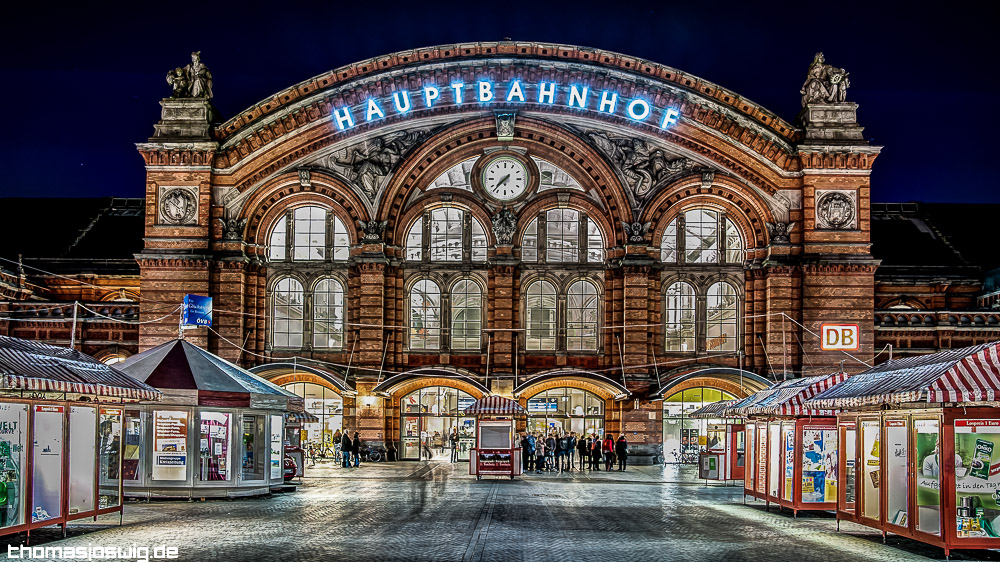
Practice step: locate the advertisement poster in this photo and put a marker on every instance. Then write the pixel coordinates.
(762, 460)
(928, 463)
(82, 454)
(133, 442)
(819, 465)
(977, 478)
(214, 445)
(197, 311)
(170, 432)
(109, 446)
(13, 428)
(47, 460)
(277, 452)
(789, 440)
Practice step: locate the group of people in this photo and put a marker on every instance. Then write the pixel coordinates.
(350, 449)
(554, 452)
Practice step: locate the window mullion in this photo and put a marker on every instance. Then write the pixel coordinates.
(543, 238)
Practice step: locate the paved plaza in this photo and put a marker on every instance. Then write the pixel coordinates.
(436, 511)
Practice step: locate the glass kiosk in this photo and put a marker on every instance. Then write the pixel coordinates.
(497, 452)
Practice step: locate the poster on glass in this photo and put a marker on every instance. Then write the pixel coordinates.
(46, 489)
(170, 432)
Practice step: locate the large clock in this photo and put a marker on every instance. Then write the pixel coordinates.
(505, 178)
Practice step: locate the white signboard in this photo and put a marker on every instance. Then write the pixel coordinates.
(840, 337)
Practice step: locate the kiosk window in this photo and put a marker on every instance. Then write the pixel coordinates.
(872, 476)
(896, 474)
(928, 476)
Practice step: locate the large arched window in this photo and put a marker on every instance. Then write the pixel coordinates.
(309, 233)
(568, 236)
(540, 307)
(668, 247)
(288, 314)
(446, 235)
(702, 236)
(278, 241)
(425, 315)
(562, 236)
(566, 409)
(734, 243)
(680, 317)
(328, 314)
(581, 317)
(309, 242)
(466, 315)
(529, 242)
(720, 330)
(452, 235)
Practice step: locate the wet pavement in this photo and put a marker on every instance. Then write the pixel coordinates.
(437, 511)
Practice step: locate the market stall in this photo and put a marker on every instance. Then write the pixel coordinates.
(793, 449)
(61, 416)
(920, 446)
(219, 430)
(497, 451)
(724, 456)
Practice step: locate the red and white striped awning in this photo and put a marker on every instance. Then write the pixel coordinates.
(969, 374)
(494, 405)
(787, 398)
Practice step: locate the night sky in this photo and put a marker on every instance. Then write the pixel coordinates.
(81, 84)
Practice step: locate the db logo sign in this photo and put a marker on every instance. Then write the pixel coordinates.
(837, 337)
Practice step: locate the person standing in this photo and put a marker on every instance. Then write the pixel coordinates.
(337, 438)
(345, 449)
(550, 451)
(595, 453)
(539, 455)
(525, 451)
(532, 439)
(583, 449)
(356, 449)
(562, 449)
(571, 450)
(621, 451)
(609, 451)
(454, 444)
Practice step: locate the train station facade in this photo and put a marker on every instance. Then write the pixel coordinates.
(611, 241)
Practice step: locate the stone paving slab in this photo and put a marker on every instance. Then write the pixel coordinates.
(426, 511)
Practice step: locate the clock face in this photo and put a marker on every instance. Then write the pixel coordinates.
(505, 178)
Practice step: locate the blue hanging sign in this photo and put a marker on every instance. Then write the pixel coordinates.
(197, 311)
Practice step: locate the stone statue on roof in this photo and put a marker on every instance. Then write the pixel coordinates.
(192, 81)
(824, 83)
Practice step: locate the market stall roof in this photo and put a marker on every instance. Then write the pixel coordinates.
(30, 365)
(969, 374)
(301, 417)
(713, 410)
(787, 398)
(180, 365)
(494, 405)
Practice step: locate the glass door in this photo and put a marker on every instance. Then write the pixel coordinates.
(788, 460)
(748, 476)
(411, 437)
(848, 454)
(774, 463)
(896, 473)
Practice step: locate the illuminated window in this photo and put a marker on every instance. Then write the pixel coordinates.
(595, 242)
(328, 314)
(734, 243)
(415, 241)
(722, 304)
(478, 241)
(701, 236)
(466, 315)
(446, 235)
(304, 232)
(276, 244)
(341, 240)
(680, 317)
(668, 247)
(581, 317)
(425, 315)
(529, 242)
(562, 234)
(287, 329)
(309, 234)
(541, 311)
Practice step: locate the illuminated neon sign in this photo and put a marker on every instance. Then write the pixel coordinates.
(485, 92)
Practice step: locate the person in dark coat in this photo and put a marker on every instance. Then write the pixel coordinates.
(621, 451)
(356, 449)
(583, 448)
(525, 451)
(571, 450)
(595, 452)
(345, 448)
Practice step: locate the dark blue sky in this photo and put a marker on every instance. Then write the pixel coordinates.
(81, 84)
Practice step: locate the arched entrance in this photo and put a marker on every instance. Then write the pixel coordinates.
(429, 416)
(564, 410)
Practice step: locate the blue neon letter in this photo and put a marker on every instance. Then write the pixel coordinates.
(485, 91)
(515, 90)
(400, 106)
(637, 109)
(457, 86)
(578, 97)
(670, 116)
(431, 93)
(546, 95)
(608, 103)
(343, 116)
(373, 110)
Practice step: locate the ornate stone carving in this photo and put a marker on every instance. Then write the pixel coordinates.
(504, 226)
(232, 228)
(824, 83)
(369, 164)
(505, 126)
(707, 177)
(178, 205)
(836, 210)
(635, 233)
(780, 231)
(373, 230)
(192, 81)
(644, 166)
(305, 178)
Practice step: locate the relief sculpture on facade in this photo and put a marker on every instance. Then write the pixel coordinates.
(369, 163)
(642, 165)
(504, 226)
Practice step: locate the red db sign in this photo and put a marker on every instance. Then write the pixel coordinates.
(840, 337)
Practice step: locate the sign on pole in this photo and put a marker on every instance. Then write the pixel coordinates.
(840, 337)
(197, 311)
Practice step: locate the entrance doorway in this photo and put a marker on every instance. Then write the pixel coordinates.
(429, 416)
(684, 437)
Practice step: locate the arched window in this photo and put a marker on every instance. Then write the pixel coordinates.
(341, 240)
(278, 240)
(529, 242)
(562, 235)
(680, 317)
(328, 314)
(595, 242)
(449, 240)
(581, 317)
(415, 241)
(701, 236)
(720, 330)
(425, 315)
(668, 247)
(541, 316)
(446, 235)
(466, 315)
(734, 243)
(566, 409)
(478, 241)
(310, 234)
(287, 298)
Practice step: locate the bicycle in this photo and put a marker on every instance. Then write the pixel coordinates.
(372, 455)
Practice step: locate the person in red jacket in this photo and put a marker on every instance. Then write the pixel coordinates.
(609, 451)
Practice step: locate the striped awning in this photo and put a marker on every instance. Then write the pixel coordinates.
(789, 397)
(301, 417)
(969, 374)
(34, 366)
(714, 410)
(494, 404)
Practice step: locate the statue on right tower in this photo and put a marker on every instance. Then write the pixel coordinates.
(824, 83)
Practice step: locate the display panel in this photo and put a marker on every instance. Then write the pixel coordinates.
(762, 459)
(133, 449)
(277, 451)
(928, 462)
(170, 432)
(213, 445)
(254, 447)
(774, 458)
(13, 434)
(47, 461)
(109, 434)
(871, 451)
(850, 446)
(82, 455)
(819, 465)
(494, 435)
(977, 478)
(896, 474)
(788, 460)
(751, 432)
